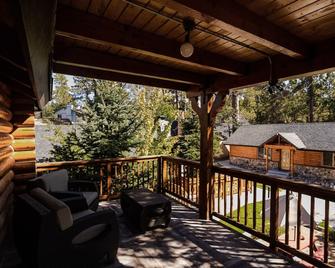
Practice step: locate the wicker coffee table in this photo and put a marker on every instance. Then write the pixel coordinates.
(146, 209)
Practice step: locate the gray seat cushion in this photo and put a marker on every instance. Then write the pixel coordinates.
(89, 233)
(56, 181)
(90, 197)
(61, 210)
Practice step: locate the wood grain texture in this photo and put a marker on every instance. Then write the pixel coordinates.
(5, 180)
(24, 155)
(5, 113)
(6, 165)
(24, 144)
(5, 140)
(23, 133)
(6, 152)
(244, 151)
(5, 126)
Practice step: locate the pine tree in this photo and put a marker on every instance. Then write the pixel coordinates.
(108, 124)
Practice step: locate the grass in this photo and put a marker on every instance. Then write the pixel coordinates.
(249, 222)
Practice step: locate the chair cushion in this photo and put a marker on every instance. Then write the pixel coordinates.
(90, 197)
(61, 210)
(81, 214)
(54, 181)
(89, 234)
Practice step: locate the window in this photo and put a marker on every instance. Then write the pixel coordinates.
(329, 159)
(261, 153)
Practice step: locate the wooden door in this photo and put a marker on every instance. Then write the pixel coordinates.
(285, 160)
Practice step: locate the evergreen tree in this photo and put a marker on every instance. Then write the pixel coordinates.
(157, 113)
(108, 126)
(61, 96)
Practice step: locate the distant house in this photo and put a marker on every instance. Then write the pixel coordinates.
(67, 114)
(302, 149)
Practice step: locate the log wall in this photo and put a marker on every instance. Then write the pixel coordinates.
(6, 159)
(24, 138)
(17, 148)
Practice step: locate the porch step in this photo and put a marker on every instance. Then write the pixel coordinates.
(278, 173)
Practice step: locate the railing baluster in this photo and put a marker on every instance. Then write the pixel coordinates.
(184, 181)
(326, 233)
(231, 196)
(219, 192)
(238, 199)
(311, 229)
(246, 202)
(287, 219)
(225, 195)
(254, 206)
(299, 221)
(263, 208)
(192, 184)
(101, 180)
(274, 210)
(109, 179)
(188, 181)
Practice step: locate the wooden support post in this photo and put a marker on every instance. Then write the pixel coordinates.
(206, 105)
(266, 160)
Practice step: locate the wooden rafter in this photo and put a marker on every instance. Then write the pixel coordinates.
(234, 18)
(323, 60)
(36, 21)
(107, 75)
(83, 26)
(82, 57)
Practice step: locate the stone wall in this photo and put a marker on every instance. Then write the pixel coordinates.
(308, 174)
(252, 164)
(316, 175)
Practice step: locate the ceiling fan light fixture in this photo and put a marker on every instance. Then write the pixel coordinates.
(187, 49)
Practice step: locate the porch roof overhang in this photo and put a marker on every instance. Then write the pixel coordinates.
(138, 41)
(288, 137)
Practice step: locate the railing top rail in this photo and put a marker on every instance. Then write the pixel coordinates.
(181, 160)
(297, 186)
(94, 161)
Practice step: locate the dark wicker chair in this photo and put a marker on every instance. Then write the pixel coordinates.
(57, 184)
(47, 234)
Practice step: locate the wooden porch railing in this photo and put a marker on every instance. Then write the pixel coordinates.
(278, 211)
(113, 174)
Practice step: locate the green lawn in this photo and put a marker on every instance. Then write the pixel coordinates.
(250, 219)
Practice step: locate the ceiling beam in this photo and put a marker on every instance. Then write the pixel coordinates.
(237, 19)
(86, 27)
(284, 68)
(118, 77)
(36, 21)
(92, 59)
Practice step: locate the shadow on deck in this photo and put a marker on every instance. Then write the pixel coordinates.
(190, 242)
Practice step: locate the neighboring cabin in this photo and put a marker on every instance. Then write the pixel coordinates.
(303, 149)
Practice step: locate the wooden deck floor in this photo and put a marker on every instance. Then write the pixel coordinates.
(190, 242)
(187, 242)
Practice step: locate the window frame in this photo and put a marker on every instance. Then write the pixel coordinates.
(332, 159)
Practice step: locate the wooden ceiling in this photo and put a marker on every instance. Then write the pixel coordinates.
(138, 41)
(141, 38)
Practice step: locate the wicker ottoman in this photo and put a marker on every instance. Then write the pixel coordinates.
(145, 209)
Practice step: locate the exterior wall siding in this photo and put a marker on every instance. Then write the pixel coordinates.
(6, 160)
(17, 148)
(244, 151)
(307, 164)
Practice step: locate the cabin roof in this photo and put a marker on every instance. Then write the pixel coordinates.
(307, 136)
